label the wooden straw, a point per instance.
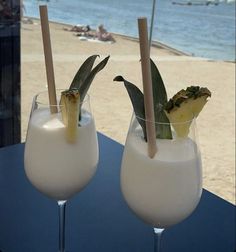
(147, 86)
(48, 57)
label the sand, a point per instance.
(110, 102)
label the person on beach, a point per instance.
(100, 34)
(79, 28)
(103, 35)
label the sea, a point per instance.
(193, 27)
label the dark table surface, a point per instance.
(98, 218)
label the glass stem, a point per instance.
(62, 213)
(157, 239)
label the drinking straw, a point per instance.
(147, 86)
(48, 58)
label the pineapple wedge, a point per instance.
(70, 100)
(184, 106)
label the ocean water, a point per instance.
(200, 30)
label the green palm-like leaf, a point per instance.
(85, 76)
(88, 80)
(83, 72)
(137, 100)
(159, 91)
(163, 131)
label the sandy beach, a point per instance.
(110, 102)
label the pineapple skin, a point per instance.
(184, 106)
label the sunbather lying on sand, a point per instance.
(100, 34)
(103, 35)
(78, 28)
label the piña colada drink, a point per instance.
(61, 150)
(163, 189)
(166, 189)
(55, 163)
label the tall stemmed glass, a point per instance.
(58, 168)
(164, 190)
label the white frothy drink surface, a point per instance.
(166, 189)
(55, 167)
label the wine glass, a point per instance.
(58, 168)
(164, 190)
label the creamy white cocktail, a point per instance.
(166, 189)
(54, 166)
(61, 149)
(161, 172)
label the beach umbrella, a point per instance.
(152, 21)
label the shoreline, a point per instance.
(155, 44)
(110, 102)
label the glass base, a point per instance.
(157, 238)
(62, 213)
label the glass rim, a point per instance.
(86, 98)
(165, 123)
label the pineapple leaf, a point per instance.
(137, 99)
(159, 91)
(89, 78)
(83, 72)
(163, 131)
